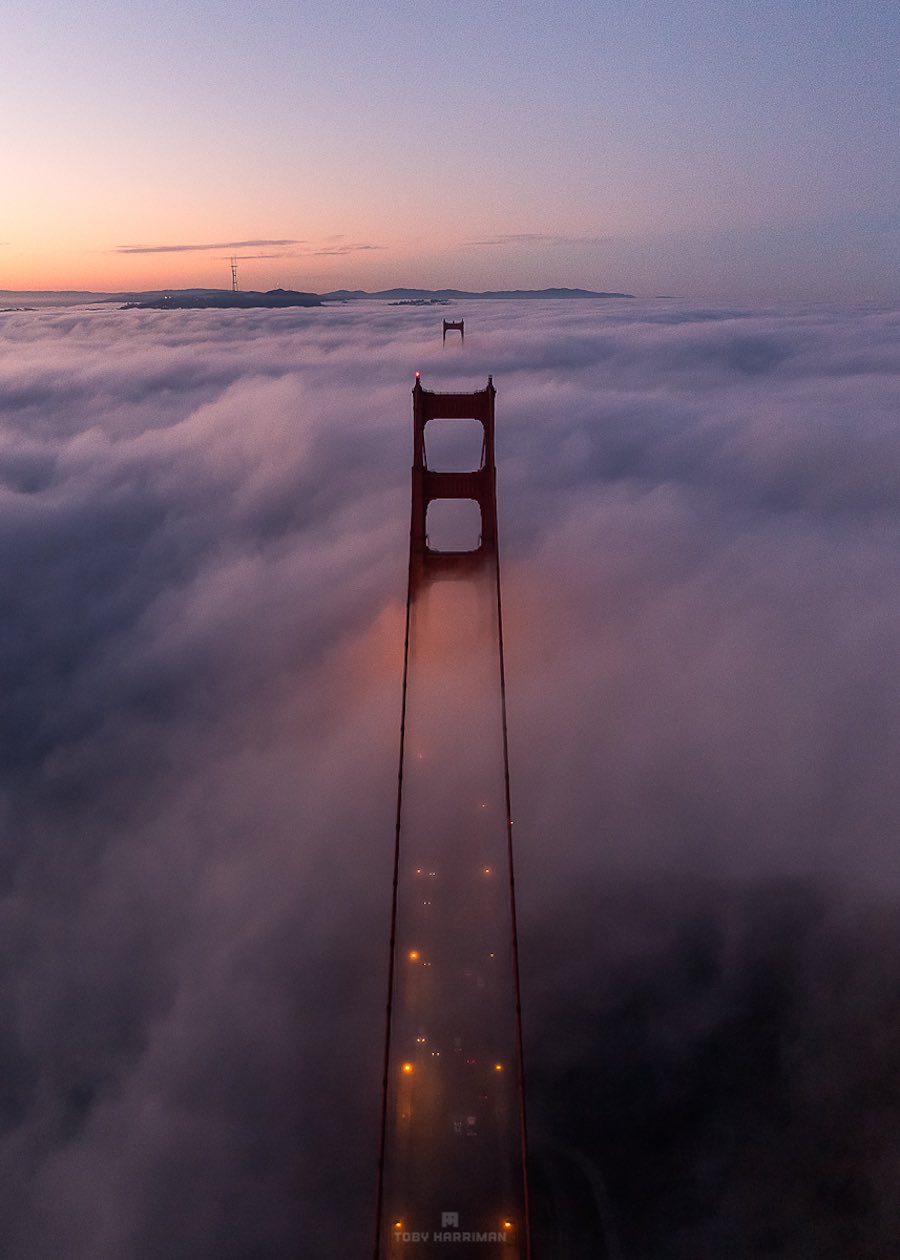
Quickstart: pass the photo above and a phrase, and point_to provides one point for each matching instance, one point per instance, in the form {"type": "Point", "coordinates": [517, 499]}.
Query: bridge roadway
{"type": "Point", "coordinates": [454, 1145]}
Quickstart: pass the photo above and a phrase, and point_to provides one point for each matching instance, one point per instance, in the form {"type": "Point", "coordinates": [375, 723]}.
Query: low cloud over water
{"type": "Point", "coordinates": [203, 527]}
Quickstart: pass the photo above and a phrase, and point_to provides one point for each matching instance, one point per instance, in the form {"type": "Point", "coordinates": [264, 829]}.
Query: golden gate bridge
{"type": "Point", "coordinates": [452, 1155]}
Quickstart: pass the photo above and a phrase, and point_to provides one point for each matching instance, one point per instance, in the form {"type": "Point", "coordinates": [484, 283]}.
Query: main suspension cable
{"type": "Point", "coordinates": [392, 950]}
{"type": "Point", "coordinates": [520, 1052]}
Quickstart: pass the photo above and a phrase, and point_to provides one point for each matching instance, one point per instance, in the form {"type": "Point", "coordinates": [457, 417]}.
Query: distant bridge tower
{"type": "Point", "coordinates": [451, 326]}
{"type": "Point", "coordinates": [451, 1180]}
{"type": "Point", "coordinates": [234, 284]}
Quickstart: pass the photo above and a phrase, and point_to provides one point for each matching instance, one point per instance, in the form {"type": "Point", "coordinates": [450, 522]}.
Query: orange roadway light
{"type": "Point", "coordinates": [413, 955]}
{"type": "Point", "coordinates": [407, 1069]}
{"type": "Point", "coordinates": [488, 870]}
{"type": "Point", "coordinates": [498, 1067]}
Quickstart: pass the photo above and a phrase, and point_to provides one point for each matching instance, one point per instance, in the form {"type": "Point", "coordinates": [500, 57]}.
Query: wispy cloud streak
{"type": "Point", "coordinates": [340, 250]}
{"type": "Point", "coordinates": [534, 238]}
{"type": "Point", "coordinates": [198, 248]}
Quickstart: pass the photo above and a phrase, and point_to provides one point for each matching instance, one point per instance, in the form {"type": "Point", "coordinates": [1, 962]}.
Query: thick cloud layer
{"type": "Point", "coordinates": [203, 523]}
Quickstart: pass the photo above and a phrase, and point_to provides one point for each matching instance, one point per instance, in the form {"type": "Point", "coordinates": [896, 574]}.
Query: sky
{"type": "Point", "coordinates": [203, 567]}
{"type": "Point", "coordinates": [727, 150]}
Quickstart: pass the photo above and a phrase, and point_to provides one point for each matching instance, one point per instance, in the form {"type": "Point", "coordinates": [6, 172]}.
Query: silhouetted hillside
{"type": "Point", "coordinates": [201, 299]}
{"type": "Point", "coordinates": [350, 295]}
{"type": "Point", "coordinates": [226, 299]}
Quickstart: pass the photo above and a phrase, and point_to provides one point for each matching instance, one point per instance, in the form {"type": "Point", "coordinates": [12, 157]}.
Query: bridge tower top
{"type": "Point", "coordinates": [479, 484]}
{"type": "Point", "coordinates": [458, 325]}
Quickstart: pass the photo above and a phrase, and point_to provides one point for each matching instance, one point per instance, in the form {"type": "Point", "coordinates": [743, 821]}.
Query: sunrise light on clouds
{"type": "Point", "coordinates": [204, 542]}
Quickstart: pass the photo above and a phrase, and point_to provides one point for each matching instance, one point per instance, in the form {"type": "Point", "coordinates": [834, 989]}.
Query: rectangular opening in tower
{"type": "Point", "coordinates": [454, 445]}
{"type": "Point", "coordinates": [453, 525]}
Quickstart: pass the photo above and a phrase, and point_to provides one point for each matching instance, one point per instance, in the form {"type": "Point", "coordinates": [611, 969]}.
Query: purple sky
{"type": "Point", "coordinates": [715, 150]}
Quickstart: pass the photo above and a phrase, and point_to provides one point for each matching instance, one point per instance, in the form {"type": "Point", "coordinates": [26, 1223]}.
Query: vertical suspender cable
{"type": "Point", "coordinates": [379, 1207]}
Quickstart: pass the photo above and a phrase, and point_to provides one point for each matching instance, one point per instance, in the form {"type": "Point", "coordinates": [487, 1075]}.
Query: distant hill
{"type": "Point", "coordinates": [450, 295]}
{"type": "Point", "coordinates": [225, 299]}
{"type": "Point", "coordinates": [202, 299]}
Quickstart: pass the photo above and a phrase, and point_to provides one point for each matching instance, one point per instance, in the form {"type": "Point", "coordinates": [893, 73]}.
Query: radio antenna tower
{"type": "Point", "coordinates": [234, 286]}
